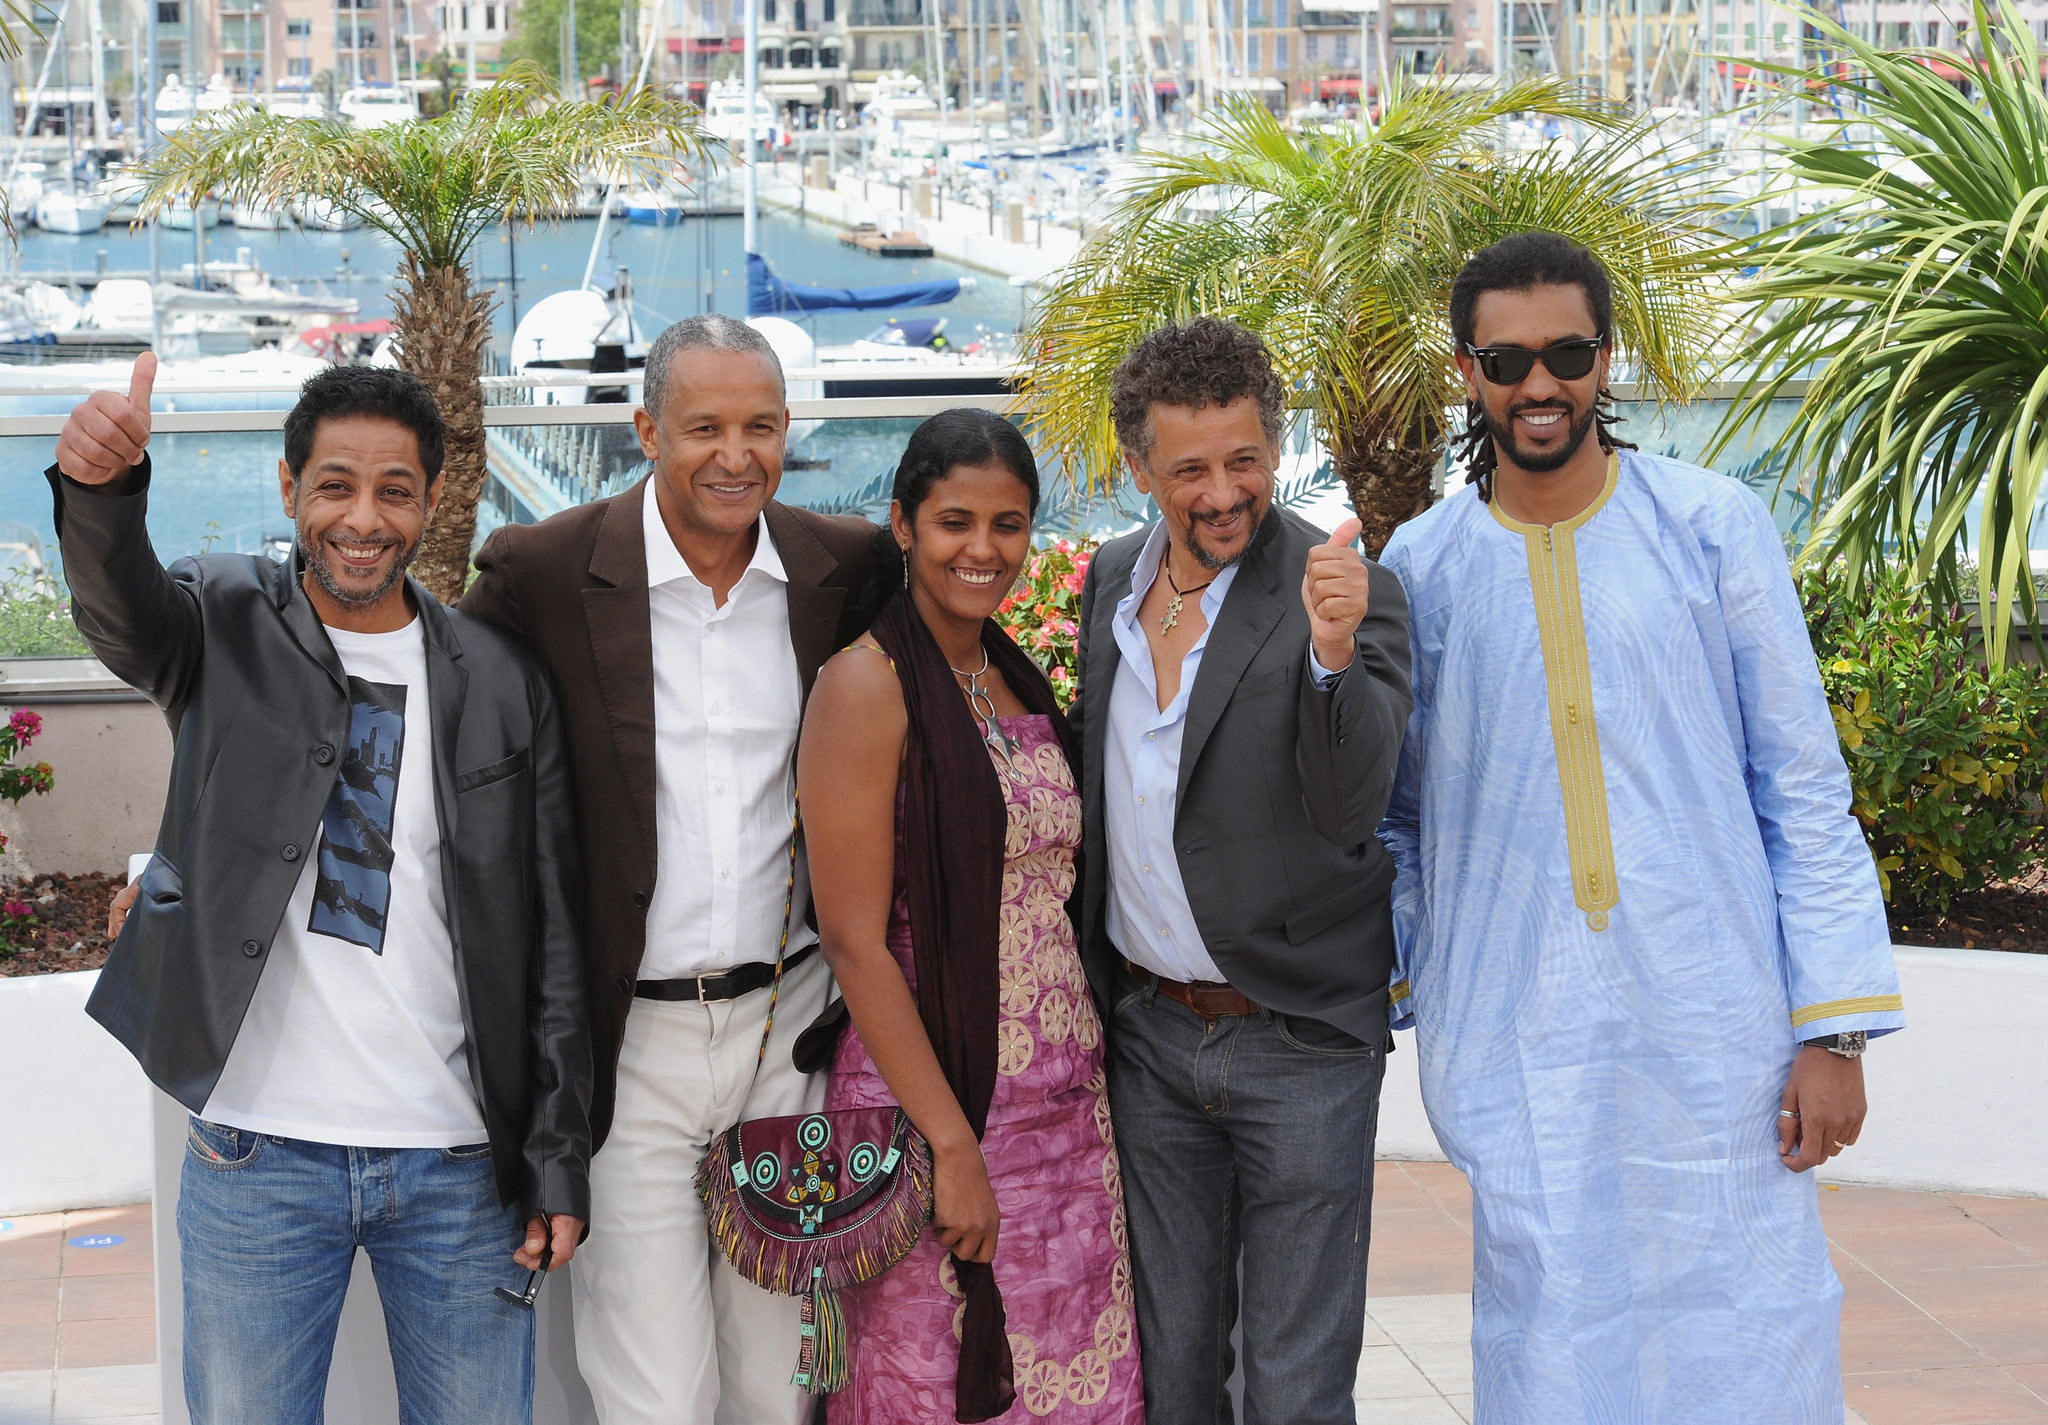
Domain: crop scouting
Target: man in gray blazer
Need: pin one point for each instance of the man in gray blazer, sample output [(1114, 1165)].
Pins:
[(1244, 686)]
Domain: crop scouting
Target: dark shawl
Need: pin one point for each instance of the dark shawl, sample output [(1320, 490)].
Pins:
[(954, 825)]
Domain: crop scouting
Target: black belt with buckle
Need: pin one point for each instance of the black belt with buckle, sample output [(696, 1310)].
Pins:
[(730, 985)]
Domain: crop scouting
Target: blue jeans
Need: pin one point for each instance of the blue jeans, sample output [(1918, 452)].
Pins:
[(1247, 1136), (269, 1227)]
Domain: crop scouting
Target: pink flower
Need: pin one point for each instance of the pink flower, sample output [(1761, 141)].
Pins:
[(25, 725), (20, 908)]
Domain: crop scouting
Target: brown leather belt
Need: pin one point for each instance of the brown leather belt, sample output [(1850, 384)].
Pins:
[(1210, 1000)]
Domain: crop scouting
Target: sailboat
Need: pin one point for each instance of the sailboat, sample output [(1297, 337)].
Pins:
[(70, 207)]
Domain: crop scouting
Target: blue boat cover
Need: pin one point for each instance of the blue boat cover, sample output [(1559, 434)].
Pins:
[(768, 295)]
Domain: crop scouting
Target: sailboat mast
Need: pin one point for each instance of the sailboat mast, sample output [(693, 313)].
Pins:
[(752, 220)]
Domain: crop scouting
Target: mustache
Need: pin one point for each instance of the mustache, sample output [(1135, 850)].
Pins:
[(379, 541), (1564, 408), (1242, 507)]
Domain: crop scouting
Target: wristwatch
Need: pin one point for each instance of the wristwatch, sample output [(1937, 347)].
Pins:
[(1850, 1043)]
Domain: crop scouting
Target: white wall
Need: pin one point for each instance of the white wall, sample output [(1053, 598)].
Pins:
[(75, 1107), (1958, 1098)]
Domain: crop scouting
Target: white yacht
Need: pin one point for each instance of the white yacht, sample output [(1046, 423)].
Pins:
[(71, 210), (178, 216), (373, 106), (260, 216), (24, 191), (725, 111), (296, 103), (174, 105), (321, 214)]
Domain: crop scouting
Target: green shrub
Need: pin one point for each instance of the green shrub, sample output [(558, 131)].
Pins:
[(1946, 757), (35, 619)]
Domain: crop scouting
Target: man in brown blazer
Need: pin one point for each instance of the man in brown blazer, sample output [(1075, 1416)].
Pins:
[(684, 621)]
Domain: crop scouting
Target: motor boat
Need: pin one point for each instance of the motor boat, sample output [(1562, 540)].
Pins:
[(71, 210), (23, 193), (174, 105), (373, 106), (296, 104), (725, 109), (121, 190), (178, 216), (325, 216), (248, 214), (660, 206)]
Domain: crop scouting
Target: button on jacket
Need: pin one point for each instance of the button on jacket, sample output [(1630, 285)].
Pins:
[(229, 646)]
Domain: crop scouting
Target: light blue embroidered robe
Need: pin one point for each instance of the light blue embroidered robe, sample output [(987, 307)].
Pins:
[(1642, 1255)]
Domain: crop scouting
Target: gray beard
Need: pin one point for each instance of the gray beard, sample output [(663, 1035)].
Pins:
[(1214, 563), (323, 574)]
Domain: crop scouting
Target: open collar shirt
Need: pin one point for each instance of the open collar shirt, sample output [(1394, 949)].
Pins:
[(727, 708), (1150, 922)]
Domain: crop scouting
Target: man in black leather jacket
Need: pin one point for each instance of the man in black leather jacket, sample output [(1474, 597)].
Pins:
[(354, 956)]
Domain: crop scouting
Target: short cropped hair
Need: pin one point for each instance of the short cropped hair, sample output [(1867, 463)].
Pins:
[(1525, 261), (1205, 362), (382, 391), (712, 331)]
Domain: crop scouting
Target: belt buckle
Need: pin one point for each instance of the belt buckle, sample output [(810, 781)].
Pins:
[(700, 989)]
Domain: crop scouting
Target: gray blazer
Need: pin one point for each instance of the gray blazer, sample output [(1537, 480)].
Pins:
[(1281, 786)]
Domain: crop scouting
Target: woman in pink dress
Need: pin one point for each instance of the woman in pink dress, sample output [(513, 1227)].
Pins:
[(942, 821)]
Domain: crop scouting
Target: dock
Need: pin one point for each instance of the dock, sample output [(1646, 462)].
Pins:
[(868, 238)]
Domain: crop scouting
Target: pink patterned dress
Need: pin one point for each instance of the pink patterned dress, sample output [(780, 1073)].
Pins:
[(1062, 1260)]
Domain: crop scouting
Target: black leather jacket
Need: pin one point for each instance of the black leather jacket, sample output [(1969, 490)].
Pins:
[(229, 646)]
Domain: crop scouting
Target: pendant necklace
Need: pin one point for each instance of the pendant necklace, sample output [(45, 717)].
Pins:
[(984, 709), (1172, 615)]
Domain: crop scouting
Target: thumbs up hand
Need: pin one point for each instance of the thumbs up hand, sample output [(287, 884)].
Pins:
[(108, 431), (1336, 589)]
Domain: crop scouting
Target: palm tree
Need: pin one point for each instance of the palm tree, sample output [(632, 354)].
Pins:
[(1340, 249), (435, 187), (1917, 303)]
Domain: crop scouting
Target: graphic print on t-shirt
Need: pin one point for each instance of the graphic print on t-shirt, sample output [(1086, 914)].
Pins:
[(352, 888)]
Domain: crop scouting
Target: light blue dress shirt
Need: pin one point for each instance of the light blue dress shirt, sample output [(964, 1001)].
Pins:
[(1149, 919)]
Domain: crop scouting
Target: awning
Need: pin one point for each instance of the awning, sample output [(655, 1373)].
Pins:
[(1337, 85), (794, 93), (1257, 85), (1159, 88)]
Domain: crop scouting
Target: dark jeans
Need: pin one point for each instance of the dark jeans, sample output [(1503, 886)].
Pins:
[(269, 1228), (1253, 1134)]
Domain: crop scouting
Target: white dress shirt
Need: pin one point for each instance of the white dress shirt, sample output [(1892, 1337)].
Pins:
[(727, 707), (1149, 918)]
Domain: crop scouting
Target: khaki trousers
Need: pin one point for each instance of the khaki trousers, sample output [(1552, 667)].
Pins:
[(667, 1333)]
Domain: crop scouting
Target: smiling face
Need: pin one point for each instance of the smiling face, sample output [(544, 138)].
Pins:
[(1540, 422), (1211, 472), (717, 448), (966, 542), (361, 504)]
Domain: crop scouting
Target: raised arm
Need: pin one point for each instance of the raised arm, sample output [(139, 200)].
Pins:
[(1350, 733), (141, 620), (848, 765)]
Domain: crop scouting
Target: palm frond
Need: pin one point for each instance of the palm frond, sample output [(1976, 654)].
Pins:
[(432, 185), (1340, 250), (1915, 303)]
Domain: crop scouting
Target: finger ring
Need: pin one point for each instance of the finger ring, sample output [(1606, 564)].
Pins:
[(1840, 1144), (1788, 1113)]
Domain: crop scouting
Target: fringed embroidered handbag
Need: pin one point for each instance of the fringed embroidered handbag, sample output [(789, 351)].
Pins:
[(810, 1204)]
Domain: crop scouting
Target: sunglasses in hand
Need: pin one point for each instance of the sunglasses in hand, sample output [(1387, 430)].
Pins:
[(1507, 365)]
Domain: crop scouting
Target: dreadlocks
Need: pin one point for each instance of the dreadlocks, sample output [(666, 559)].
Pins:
[(1516, 264)]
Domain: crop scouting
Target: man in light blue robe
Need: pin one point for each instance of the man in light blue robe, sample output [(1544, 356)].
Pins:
[(1631, 893)]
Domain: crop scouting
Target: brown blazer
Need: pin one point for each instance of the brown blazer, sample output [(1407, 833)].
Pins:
[(574, 588)]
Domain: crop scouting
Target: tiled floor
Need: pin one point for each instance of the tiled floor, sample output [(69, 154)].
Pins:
[(1944, 1322), (1944, 1312), (78, 1319)]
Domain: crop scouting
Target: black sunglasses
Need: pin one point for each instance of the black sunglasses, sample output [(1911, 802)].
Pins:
[(1566, 360)]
